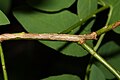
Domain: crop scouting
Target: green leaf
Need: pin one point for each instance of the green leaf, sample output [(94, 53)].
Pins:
[(86, 7), (37, 22), (5, 5), (114, 13), (96, 73), (3, 19), (51, 5), (63, 77), (110, 51)]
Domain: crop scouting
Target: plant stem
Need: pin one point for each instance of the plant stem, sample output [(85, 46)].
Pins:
[(60, 37), (91, 57), (107, 28), (48, 36), (3, 63), (98, 42), (98, 57), (84, 20)]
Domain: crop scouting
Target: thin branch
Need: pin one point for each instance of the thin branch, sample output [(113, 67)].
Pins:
[(60, 37), (65, 37), (52, 36)]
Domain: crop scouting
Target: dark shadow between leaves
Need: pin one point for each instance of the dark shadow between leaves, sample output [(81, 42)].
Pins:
[(34, 61)]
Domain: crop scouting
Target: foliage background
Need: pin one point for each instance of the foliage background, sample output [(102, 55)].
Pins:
[(35, 60)]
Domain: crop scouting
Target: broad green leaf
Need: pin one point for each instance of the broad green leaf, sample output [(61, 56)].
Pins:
[(3, 19), (51, 5), (37, 22), (5, 5), (110, 51), (114, 13), (96, 73), (63, 77), (86, 7)]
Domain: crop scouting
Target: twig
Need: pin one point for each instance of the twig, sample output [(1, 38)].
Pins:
[(60, 37), (65, 37), (52, 36)]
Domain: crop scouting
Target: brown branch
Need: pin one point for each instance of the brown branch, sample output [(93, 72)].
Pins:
[(61, 37), (116, 24)]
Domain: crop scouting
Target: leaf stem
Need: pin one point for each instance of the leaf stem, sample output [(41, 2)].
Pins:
[(98, 42), (84, 20), (107, 28), (98, 57), (3, 63)]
